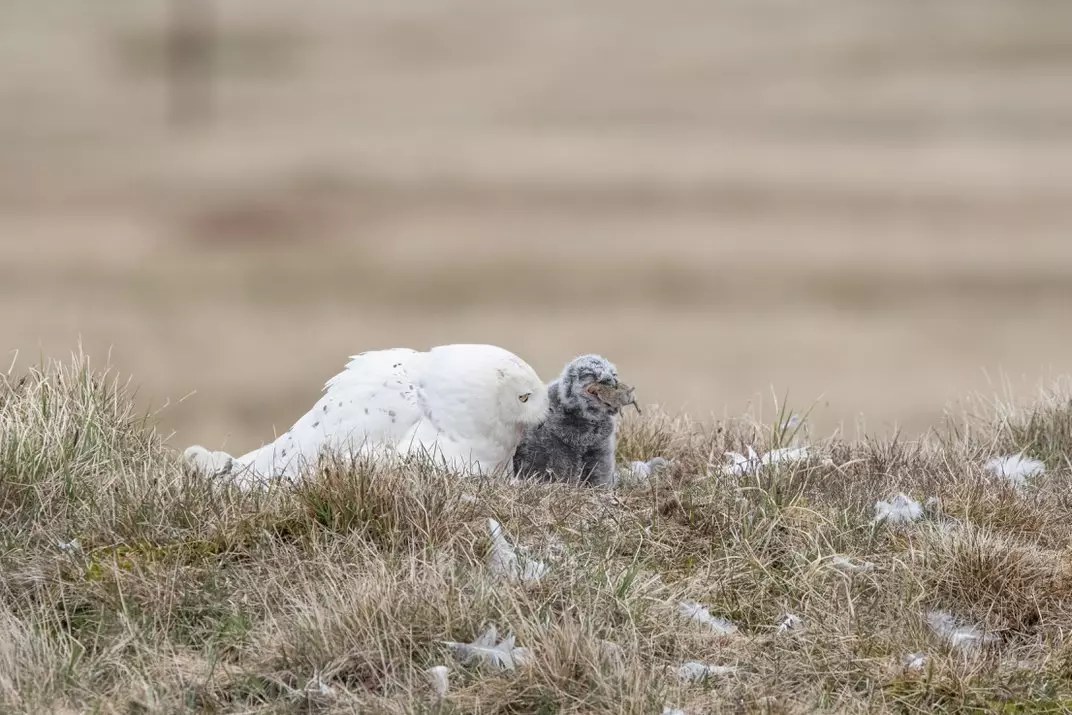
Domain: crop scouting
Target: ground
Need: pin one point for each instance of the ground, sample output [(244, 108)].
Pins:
[(131, 586)]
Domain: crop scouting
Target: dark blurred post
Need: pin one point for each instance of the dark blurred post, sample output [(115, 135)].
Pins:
[(191, 61)]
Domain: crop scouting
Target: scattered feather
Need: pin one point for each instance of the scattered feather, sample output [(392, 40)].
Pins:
[(317, 686), (843, 564), (900, 509), (521, 656), (635, 474), (1016, 469), (694, 671), (505, 561), (959, 637), (789, 622), (439, 678), (948, 524), (467, 499), (667, 710), (501, 656), (69, 547), (639, 473), (785, 454), (741, 464), (696, 612), (914, 661)]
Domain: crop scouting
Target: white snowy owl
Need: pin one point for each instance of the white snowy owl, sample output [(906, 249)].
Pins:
[(464, 405)]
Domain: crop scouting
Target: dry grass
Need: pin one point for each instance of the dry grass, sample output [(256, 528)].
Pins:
[(184, 595)]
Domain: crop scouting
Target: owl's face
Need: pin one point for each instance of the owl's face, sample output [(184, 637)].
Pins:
[(591, 382), (524, 398)]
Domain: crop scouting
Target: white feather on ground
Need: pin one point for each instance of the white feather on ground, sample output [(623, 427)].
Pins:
[(70, 547), (699, 613), (463, 405), (439, 678), (639, 473), (317, 686), (741, 464), (959, 637), (900, 509), (694, 671), (1016, 469), (521, 656), (914, 661), (789, 622), (667, 710), (847, 566), (504, 655), (505, 561)]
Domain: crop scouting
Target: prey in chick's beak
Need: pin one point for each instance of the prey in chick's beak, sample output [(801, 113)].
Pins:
[(616, 396)]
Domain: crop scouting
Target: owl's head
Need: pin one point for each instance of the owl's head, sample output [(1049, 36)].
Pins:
[(590, 383), (523, 395)]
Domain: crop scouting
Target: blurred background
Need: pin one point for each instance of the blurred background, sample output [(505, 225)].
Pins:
[(865, 206)]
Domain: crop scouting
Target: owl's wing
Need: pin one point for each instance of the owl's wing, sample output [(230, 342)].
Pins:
[(372, 401), (457, 390), (458, 393), (445, 448)]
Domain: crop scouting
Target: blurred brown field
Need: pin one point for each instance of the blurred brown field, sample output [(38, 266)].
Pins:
[(865, 206)]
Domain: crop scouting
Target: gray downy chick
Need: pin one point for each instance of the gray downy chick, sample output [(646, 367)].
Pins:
[(577, 440)]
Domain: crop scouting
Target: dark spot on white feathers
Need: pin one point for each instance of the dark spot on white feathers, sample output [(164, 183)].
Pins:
[(316, 424), (340, 403), (393, 420), (325, 408), (391, 413), (366, 410), (398, 364)]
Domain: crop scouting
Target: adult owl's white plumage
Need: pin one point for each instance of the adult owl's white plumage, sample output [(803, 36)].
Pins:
[(464, 405)]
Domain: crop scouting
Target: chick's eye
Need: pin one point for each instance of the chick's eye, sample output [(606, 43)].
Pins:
[(525, 397)]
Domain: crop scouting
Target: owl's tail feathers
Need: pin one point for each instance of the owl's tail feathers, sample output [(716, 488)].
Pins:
[(206, 463)]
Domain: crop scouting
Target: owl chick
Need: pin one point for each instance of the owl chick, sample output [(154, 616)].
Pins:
[(577, 440)]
